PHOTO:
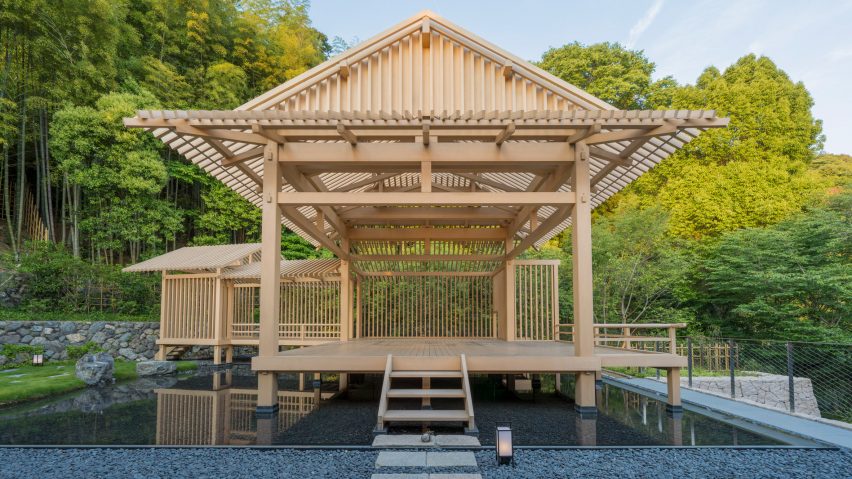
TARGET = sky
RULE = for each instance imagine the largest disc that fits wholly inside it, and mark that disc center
(810, 40)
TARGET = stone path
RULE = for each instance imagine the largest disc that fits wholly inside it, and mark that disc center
(788, 423)
(437, 464)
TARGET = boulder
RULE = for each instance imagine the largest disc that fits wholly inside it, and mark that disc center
(95, 369)
(155, 368)
(127, 353)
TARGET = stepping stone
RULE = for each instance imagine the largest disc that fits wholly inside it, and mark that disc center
(401, 459)
(8, 371)
(456, 440)
(401, 440)
(450, 459)
(399, 476)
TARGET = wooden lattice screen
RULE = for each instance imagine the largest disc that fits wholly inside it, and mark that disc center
(426, 307)
(188, 306)
(536, 299)
(310, 310)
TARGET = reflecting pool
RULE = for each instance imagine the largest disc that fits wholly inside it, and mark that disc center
(219, 409)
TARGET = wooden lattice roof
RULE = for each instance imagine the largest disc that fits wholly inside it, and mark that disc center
(192, 258)
(297, 268)
(425, 91)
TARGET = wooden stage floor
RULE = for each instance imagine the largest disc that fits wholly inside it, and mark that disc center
(482, 355)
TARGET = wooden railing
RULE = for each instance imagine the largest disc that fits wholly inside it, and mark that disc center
(536, 299)
(426, 307)
(189, 307)
(309, 311)
(626, 335)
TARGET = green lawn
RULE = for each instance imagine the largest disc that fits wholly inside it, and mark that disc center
(27, 383)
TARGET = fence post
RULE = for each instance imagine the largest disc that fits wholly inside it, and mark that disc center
(731, 346)
(657, 349)
(689, 359)
(790, 379)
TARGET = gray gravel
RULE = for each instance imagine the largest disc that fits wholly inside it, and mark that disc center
(531, 463)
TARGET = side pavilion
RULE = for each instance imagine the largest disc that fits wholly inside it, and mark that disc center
(427, 160)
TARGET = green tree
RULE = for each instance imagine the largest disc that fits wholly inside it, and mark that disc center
(789, 281)
(612, 73)
(752, 173)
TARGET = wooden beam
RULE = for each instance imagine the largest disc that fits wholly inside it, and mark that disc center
(311, 230)
(585, 133)
(536, 234)
(300, 183)
(347, 135)
(427, 257)
(505, 134)
(475, 178)
(226, 135)
(508, 70)
(667, 128)
(444, 156)
(425, 134)
(268, 134)
(247, 155)
(426, 33)
(380, 214)
(369, 181)
(427, 273)
(343, 69)
(412, 234)
(425, 199)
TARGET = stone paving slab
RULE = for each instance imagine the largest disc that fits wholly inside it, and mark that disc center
(401, 440)
(455, 476)
(450, 459)
(413, 440)
(401, 459)
(457, 440)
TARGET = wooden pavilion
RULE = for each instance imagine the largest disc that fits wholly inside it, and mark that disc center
(427, 160)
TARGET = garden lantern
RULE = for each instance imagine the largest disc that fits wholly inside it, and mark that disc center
(38, 359)
(505, 450)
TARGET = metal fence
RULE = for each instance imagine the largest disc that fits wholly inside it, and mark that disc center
(809, 378)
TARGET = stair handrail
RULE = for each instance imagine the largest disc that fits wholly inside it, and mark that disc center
(468, 401)
(383, 403)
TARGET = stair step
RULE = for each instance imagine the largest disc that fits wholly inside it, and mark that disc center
(426, 374)
(439, 415)
(426, 393)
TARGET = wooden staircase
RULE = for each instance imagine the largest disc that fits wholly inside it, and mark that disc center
(173, 353)
(439, 370)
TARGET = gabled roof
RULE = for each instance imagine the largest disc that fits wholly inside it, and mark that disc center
(191, 258)
(423, 73)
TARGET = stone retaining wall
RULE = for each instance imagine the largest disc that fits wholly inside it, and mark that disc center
(135, 341)
(771, 390)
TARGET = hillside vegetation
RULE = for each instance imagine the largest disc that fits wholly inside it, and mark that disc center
(744, 232)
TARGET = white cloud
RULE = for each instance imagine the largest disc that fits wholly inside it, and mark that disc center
(639, 27)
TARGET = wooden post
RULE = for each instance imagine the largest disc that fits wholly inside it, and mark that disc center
(345, 304)
(581, 240)
(509, 270)
(270, 278)
(673, 405)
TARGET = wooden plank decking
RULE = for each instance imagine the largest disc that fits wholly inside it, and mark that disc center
(483, 356)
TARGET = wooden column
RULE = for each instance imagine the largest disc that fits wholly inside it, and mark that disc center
(581, 240)
(510, 293)
(218, 317)
(270, 278)
(345, 293)
(673, 405)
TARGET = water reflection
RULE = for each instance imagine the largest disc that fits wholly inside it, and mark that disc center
(220, 409)
(226, 415)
